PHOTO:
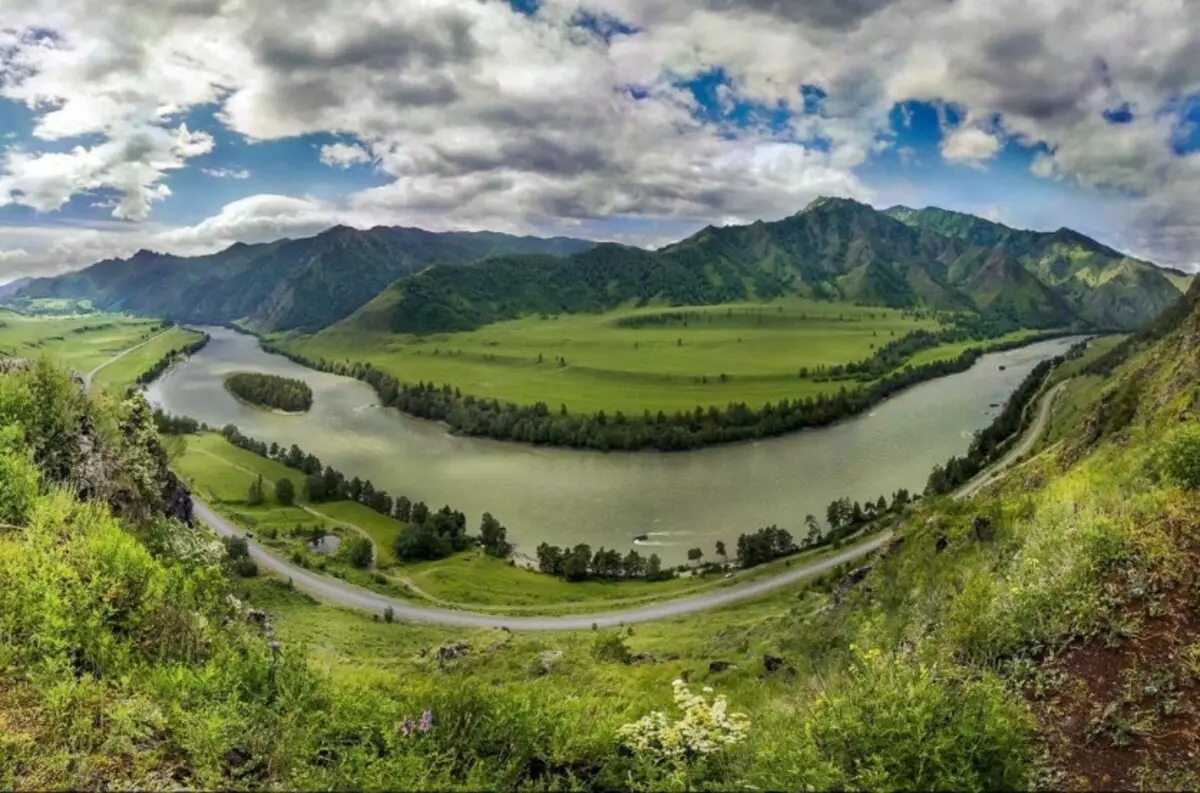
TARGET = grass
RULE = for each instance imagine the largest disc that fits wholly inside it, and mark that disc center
(760, 350)
(950, 662)
(121, 374)
(80, 343)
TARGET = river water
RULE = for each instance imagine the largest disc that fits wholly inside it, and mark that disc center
(682, 500)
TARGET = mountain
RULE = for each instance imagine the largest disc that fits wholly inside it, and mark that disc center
(12, 287)
(302, 284)
(1101, 285)
(833, 248)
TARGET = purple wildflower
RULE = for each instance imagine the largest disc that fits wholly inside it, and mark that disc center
(426, 721)
(407, 727)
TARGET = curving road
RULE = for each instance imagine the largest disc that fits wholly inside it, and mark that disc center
(339, 593)
(87, 378)
(1022, 448)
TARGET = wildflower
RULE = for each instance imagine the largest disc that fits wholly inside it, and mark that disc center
(426, 721)
(703, 729)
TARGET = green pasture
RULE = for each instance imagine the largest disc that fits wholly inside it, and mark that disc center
(709, 355)
(122, 373)
(80, 343)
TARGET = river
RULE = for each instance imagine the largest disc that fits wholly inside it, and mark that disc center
(682, 500)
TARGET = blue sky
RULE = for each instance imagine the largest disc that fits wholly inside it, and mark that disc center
(618, 119)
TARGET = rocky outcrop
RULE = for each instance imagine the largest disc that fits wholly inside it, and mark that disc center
(773, 665)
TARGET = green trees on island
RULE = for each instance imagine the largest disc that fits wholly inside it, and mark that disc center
(270, 391)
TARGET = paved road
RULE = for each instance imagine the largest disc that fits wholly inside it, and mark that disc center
(340, 593)
(1022, 448)
(333, 590)
(87, 378)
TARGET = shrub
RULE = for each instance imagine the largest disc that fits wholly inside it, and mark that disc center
(611, 648)
(1179, 456)
(357, 551)
(285, 492)
(389, 614)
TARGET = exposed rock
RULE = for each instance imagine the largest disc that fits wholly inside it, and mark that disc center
(773, 664)
(671, 657)
(942, 543)
(642, 658)
(718, 666)
(256, 616)
(451, 652)
(853, 577)
(984, 530)
(895, 545)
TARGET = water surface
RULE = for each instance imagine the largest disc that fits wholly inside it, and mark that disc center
(681, 500)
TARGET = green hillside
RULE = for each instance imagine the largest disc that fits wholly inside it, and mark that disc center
(289, 284)
(833, 249)
(1043, 634)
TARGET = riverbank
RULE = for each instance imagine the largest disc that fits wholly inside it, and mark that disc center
(538, 425)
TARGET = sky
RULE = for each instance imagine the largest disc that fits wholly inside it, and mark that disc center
(184, 126)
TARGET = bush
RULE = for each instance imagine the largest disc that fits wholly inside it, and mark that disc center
(1179, 457)
(245, 567)
(896, 724)
(357, 551)
(611, 648)
(389, 614)
(285, 492)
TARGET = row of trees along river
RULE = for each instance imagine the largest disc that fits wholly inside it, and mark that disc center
(538, 424)
(431, 535)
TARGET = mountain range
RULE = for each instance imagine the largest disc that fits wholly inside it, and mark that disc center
(290, 284)
(833, 248)
(413, 281)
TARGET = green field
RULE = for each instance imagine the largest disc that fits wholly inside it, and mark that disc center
(122, 373)
(222, 474)
(80, 343)
(759, 349)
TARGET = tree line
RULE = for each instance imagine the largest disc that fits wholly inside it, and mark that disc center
(682, 430)
(172, 356)
(990, 442)
(271, 391)
(429, 535)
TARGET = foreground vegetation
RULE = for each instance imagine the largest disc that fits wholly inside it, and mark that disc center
(1041, 635)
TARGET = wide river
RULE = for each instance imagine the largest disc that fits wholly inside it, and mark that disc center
(682, 500)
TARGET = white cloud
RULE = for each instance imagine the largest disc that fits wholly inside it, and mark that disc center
(483, 116)
(226, 173)
(343, 155)
(969, 146)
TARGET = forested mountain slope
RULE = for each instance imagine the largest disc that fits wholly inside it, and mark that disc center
(302, 284)
(834, 248)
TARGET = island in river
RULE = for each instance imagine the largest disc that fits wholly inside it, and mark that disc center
(677, 501)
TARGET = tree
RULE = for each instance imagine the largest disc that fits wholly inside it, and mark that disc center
(695, 555)
(314, 488)
(494, 537)
(578, 563)
(633, 565)
(654, 571)
(550, 559)
(420, 512)
(357, 551)
(285, 492)
(881, 505)
(354, 493)
(814, 530)
(255, 496)
(721, 550)
(403, 509)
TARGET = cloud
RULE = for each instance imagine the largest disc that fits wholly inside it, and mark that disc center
(343, 155)
(969, 146)
(479, 115)
(226, 173)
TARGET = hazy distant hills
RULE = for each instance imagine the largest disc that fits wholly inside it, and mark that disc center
(833, 248)
(414, 281)
(302, 284)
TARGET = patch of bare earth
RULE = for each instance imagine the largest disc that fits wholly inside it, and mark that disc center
(1123, 708)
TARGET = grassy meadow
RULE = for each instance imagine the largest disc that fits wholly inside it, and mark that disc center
(80, 342)
(636, 359)
(122, 373)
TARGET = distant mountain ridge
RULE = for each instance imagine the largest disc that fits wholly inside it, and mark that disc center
(407, 280)
(289, 284)
(833, 248)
